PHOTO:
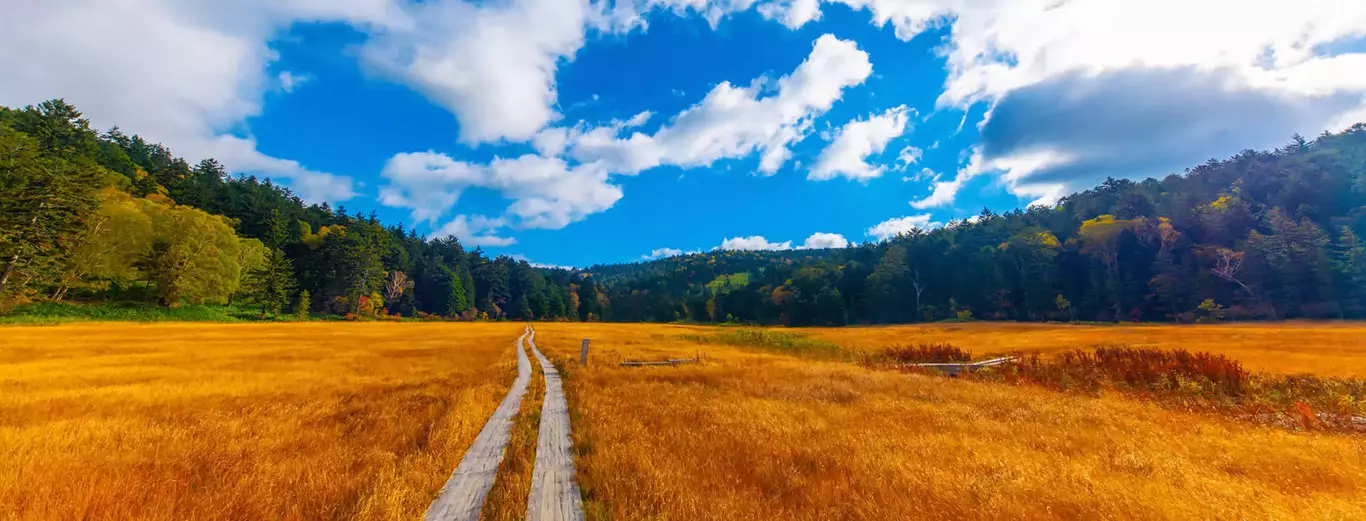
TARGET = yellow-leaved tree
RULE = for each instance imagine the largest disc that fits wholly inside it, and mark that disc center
(195, 256)
(115, 237)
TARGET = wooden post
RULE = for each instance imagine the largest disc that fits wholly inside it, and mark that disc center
(583, 353)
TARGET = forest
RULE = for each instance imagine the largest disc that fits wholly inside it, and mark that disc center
(98, 217)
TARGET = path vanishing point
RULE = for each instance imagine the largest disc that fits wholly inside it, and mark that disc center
(554, 492)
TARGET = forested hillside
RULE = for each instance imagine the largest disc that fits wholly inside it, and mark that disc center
(93, 216)
(110, 216)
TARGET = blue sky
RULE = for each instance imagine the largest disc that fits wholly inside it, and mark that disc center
(574, 132)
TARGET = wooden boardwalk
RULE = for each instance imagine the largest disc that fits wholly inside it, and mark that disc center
(554, 492)
(463, 496)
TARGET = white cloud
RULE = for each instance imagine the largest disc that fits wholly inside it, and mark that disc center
(289, 81)
(753, 243)
(520, 258)
(427, 182)
(545, 192)
(549, 193)
(758, 242)
(1267, 55)
(660, 253)
(493, 65)
(909, 156)
(734, 122)
(824, 240)
(847, 155)
(895, 226)
(792, 13)
(475, 231)
(175, 72)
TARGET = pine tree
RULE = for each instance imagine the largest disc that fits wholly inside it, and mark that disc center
(270, 285)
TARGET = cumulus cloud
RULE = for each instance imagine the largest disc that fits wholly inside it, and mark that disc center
(824, 240)
(546, 192)
(569, 178)
(1074, 130)
(758, 242)
(1176, 81)
(475, 231)
(847, 154)
(899, 225)
(753, 243)
(908, 156)
(549, 193)
(493, 64)
(734, 122)
(174, 72)
(660, 253)
(428, 183)
(289, 81)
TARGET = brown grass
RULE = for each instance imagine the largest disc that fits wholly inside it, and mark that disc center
(366, 421)
(1327, 349)
(764, 435)
(199, 421)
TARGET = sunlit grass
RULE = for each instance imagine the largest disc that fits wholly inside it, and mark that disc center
(1323, 348)
(753, 434)
(245, 421)
(367, 421)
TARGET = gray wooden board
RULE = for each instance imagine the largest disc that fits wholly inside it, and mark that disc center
(463, 496)
(554, 492)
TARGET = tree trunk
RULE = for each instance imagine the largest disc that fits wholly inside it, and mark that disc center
(9, 270)
(14, 259)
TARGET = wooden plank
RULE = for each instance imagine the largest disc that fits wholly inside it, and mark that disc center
(463, 496)
(554, 491)
(954, 368)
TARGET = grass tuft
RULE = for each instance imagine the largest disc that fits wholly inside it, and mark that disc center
(765, 339)
(1199, 380)
(926, 353)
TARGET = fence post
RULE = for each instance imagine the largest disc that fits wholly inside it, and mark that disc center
(583, 353)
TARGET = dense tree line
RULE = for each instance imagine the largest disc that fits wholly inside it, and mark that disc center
(108, 216)
(1263, 235)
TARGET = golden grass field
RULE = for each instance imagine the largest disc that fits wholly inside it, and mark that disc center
(366, 421)
(752, 435)
(1323, 348)
(251, 421)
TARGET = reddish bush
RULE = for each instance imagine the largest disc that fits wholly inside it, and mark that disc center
(1135, 369)
(926, 353)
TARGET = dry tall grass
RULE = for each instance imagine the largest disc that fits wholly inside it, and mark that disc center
(197, 421)
(755, 435)
(1326, 349)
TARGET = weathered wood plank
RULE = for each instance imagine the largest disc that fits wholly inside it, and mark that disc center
(463, 496)
(554, 491)
(954, 368)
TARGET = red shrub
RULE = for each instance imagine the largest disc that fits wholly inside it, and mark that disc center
(926, 353)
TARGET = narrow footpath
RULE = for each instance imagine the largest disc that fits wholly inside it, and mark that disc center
(554, 492)
(463, 496)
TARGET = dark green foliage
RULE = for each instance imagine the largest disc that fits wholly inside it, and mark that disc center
(58, 312)
(785, 342)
